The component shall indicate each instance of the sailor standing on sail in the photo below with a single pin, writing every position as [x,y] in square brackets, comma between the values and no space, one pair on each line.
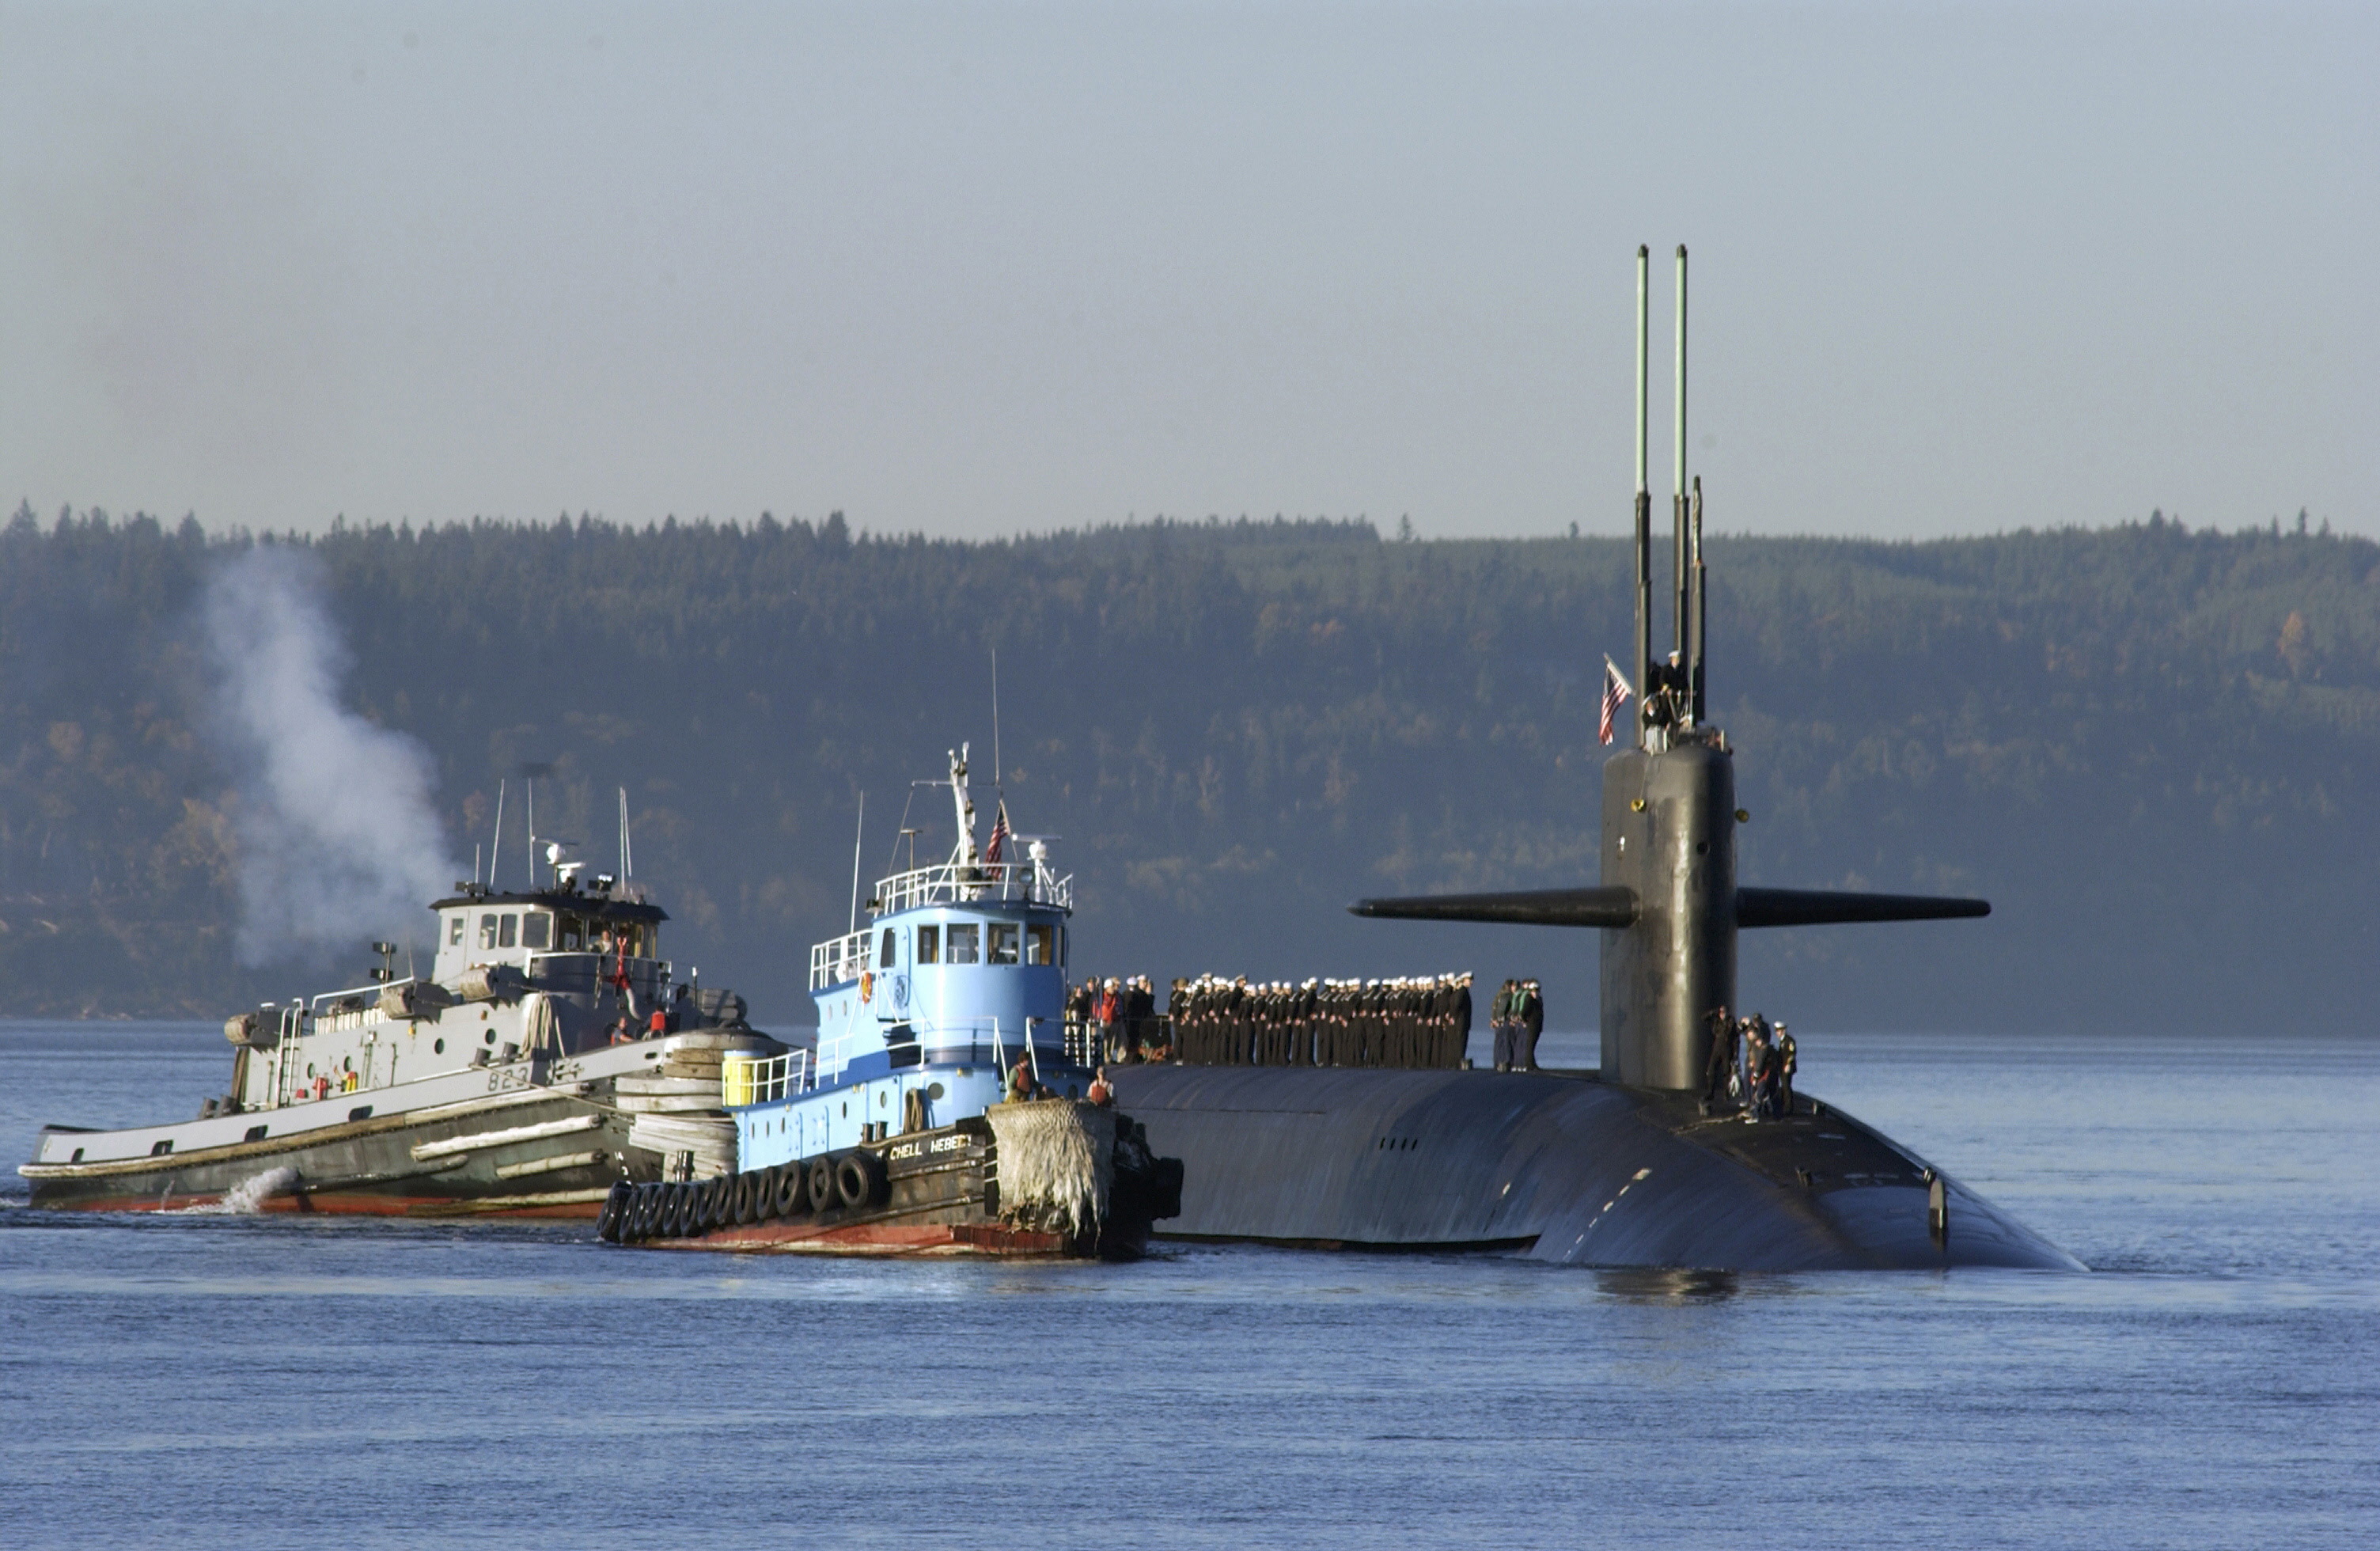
[1500,1022]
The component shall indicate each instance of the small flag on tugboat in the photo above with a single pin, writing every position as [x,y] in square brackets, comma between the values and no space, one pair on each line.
[1615,694]
[1000,834]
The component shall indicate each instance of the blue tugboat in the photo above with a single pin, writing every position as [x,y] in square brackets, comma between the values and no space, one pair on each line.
[943,1112]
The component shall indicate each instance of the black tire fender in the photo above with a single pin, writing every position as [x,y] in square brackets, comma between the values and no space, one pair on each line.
[793,1189]
[678,1220]
[616,1207]
[821,1184]
[860,1180]
[739,1205]
[764,1194]
[642,1211]
[1165,1188]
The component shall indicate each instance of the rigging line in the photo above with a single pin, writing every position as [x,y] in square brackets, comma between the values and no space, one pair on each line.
[892,861]
[856,841]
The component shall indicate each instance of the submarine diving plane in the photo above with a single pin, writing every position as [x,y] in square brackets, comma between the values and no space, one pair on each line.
[1620,1168]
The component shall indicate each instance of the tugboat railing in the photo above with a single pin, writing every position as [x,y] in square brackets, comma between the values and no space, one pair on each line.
[765,1079]
[845,958]
[973,882]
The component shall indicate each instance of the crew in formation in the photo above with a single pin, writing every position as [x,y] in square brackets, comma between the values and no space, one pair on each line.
[1750,1069]
[1215,1021]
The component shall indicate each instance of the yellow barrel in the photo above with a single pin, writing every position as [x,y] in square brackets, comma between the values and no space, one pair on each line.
[736,1075]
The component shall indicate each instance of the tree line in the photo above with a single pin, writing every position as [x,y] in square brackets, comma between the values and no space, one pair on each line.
[2151,745]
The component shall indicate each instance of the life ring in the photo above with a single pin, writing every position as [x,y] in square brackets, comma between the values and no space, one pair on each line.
[867,985]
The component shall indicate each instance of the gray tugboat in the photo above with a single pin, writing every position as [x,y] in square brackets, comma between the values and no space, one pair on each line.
[549,1053]
[1625,1166]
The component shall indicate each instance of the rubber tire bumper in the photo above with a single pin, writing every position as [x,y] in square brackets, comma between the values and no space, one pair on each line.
[860,1180]
[642,1211]
[793,1189]
[616,1207]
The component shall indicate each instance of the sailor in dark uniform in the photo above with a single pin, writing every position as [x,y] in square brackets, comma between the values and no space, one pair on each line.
[1721,1060]
[1532,1023]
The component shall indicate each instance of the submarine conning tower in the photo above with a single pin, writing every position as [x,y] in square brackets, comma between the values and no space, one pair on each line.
[1668,906]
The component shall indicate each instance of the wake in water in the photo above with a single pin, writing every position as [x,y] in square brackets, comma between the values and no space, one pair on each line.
[247,1198]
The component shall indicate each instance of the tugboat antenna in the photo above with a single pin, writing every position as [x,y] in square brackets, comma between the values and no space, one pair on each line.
[496,846]
[855,841]
[995,719]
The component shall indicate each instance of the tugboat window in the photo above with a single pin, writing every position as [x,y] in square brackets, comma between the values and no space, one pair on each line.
[1003,942]
[510,932]
[487,931]
[574,935]
[536,930]
[929,945]
[1041,945]
[884,954]
[963,941]
[455,929]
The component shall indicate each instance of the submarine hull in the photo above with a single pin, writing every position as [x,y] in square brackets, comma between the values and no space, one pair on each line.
[1559,1167]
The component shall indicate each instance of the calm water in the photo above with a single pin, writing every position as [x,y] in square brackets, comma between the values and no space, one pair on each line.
[264,1382]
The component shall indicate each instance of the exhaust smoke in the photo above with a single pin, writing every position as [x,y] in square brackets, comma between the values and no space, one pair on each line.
[338,842]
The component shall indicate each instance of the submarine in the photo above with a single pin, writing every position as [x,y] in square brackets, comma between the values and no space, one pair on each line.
[1623,1168]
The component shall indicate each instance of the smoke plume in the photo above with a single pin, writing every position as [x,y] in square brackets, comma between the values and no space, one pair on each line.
[338,842]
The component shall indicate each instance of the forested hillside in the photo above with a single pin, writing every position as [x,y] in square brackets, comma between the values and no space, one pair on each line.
[2152,747]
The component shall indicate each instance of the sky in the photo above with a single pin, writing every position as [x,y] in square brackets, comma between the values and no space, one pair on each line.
[976,269]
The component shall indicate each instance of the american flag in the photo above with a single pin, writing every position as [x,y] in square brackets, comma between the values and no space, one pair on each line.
[999,832]
[1615,694]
